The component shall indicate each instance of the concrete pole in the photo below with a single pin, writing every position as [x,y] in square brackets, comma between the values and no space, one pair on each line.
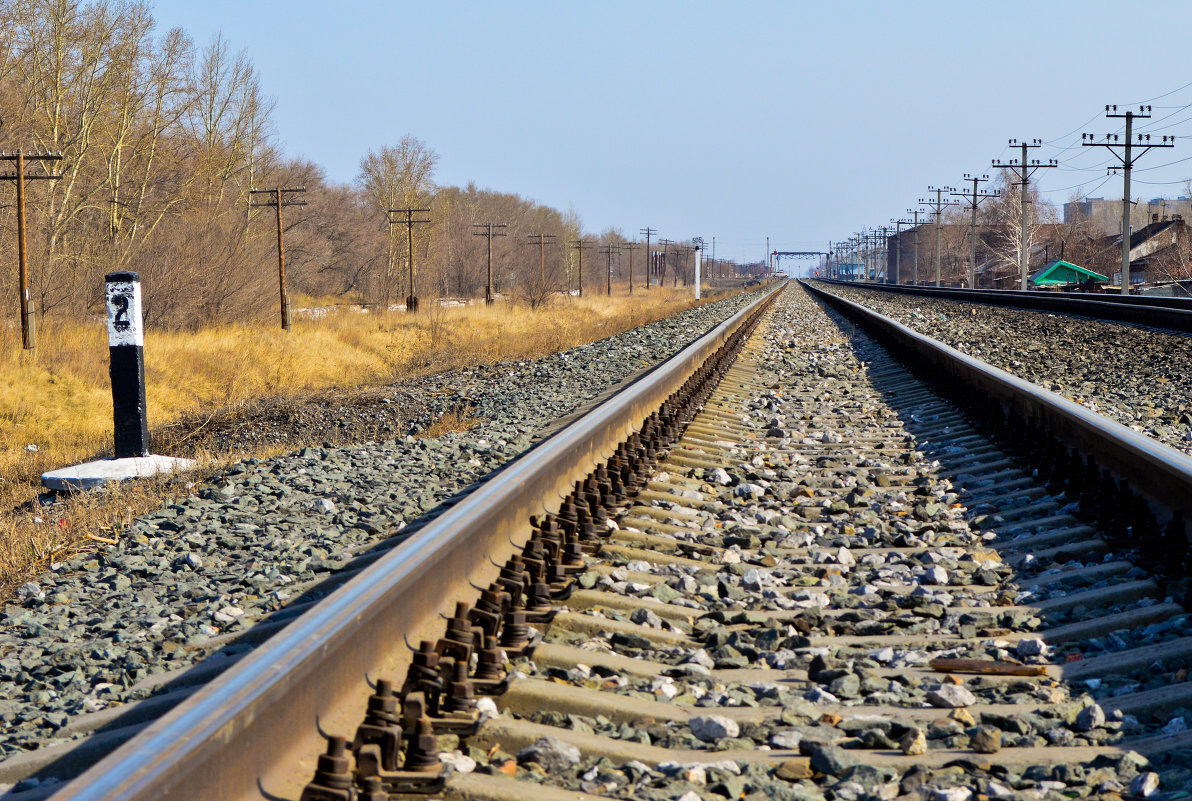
[939,225]
[1126,165]
[698,255]
[973,254]
[1024,246]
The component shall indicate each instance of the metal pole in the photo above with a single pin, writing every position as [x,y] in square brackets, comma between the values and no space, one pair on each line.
[1126,165]
[281,267]
[22,256]
[1024,256]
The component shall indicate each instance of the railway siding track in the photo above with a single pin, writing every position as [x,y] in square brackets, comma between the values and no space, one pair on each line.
[808,575]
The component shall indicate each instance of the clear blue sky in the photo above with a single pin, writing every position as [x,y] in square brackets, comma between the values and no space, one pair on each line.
[739,120]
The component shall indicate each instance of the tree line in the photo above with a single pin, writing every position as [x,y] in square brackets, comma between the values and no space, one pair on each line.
[162,140]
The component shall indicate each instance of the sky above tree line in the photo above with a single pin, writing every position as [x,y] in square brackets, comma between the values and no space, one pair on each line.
[803,122]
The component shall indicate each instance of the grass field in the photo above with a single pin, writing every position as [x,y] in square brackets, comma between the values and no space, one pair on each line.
[58,399]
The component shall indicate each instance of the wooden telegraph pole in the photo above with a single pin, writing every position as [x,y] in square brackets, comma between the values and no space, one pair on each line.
[609,250]
[412,298]
[276,198]
[579,246]
[488,233]
[630,246]
[28,337]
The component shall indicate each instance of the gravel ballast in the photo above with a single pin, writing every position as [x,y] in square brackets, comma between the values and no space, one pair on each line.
[1134,375]
[187,580]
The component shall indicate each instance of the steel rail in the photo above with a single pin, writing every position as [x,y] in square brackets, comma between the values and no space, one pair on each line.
[256,730]
[1157,471]
[1172,313]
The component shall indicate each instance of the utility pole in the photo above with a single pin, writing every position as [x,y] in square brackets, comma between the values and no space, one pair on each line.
[580,245]
[974,199]
[630,246]
[647,232]
[412,299]
[937,207]
[1024,169]
[488,233]
[1127,160]
[542,241]
[277,198]
[884,251]
[915,270]
[898,223]
[28,335]
[609,250]
[662,269]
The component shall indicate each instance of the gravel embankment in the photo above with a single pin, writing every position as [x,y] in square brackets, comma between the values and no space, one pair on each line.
[257,538]
[1131,374]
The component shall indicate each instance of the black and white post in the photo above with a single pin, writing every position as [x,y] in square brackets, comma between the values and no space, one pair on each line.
[126,347]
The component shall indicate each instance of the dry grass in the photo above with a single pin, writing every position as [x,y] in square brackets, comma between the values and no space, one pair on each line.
[59,398]
[458,419]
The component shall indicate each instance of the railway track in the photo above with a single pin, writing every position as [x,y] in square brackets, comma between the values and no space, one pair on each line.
[1150,310]
[781,566]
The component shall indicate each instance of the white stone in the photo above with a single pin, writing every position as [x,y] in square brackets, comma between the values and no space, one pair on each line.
[995,790]
[936,576]
[227,614]
[1032,647]
[90,475]
[458,761]
[487,707]
[720,476]
[1145,784]
[1089,718]
[712,728]
[729,557]
[950,696]
[690,795]
[324,506]
[952,794]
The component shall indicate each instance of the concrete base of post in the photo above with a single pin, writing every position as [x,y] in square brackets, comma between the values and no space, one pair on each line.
[91,475]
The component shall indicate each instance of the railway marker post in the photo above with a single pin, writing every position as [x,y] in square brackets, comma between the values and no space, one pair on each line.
[126,343]
[698,254]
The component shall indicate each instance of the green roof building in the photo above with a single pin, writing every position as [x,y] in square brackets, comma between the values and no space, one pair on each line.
[1065,273]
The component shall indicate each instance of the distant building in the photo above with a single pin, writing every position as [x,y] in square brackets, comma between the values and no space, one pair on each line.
[1105,216]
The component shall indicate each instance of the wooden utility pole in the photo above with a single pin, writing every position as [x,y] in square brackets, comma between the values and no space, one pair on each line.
[630,246]
[488,233]
[541,240]
[579,246]
[609,250]
[1024,169]
[666,243]
[647,232]
[28,336]
[276,198]
[1112,143]
[412,298]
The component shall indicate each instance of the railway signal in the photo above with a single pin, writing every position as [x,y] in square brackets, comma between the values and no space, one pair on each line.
[276,198]
[19,177]
[1024,169]
[974,199]
[1127,159]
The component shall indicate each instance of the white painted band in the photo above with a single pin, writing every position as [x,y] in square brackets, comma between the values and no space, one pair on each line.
[124,314]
